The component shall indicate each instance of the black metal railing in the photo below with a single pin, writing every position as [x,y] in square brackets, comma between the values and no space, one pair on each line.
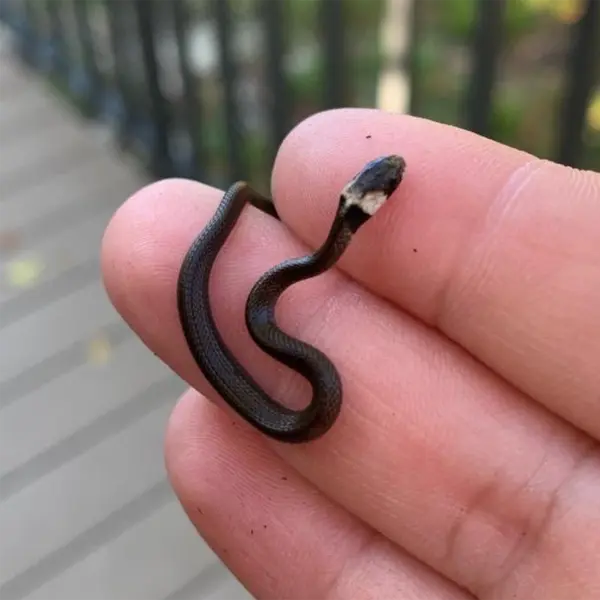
[208,88]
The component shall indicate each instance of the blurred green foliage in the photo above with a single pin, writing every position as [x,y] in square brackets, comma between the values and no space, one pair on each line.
[455,18]
[528,91]
[526,97]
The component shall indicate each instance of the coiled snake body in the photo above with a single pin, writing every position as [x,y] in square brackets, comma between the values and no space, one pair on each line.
[358,202]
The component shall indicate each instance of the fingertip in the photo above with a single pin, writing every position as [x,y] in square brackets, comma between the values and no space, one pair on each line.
[270,526]
[324,150]
[144,243]
[451,177]
[245,501]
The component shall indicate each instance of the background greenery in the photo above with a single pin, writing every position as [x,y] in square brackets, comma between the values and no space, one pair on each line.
[526,97]
[531,73]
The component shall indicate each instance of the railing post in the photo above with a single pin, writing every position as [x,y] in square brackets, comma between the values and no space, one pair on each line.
[487,43]
[581,71]
[125,111]
[229,75]
[162,163]
[57,42]
[93,80]
[193,108]
[31,46]
[413,56]
[332,36]
[277,90]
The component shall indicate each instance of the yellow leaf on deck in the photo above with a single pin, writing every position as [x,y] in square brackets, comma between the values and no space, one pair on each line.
[23,273]
[99,350]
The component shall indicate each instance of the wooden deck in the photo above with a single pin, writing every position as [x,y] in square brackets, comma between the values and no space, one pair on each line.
[85,507]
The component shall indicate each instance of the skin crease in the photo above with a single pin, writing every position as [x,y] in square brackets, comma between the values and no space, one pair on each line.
[465,462]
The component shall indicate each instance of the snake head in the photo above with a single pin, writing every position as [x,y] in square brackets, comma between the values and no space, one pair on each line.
[368,190]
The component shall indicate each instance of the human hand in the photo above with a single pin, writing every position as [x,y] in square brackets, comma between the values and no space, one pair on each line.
[465,462]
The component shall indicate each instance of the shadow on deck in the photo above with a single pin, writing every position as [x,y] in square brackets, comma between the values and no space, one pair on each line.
[85,507]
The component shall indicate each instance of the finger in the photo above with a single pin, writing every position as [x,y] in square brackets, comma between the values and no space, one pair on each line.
[498,250]
[277,533]
[431,449]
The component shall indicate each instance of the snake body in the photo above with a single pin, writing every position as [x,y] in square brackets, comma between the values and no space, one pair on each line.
[359,200]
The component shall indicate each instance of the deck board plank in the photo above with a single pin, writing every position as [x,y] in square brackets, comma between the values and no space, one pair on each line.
[85,505]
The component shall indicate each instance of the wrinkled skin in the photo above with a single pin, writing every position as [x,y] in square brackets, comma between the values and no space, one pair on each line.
[465,322]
